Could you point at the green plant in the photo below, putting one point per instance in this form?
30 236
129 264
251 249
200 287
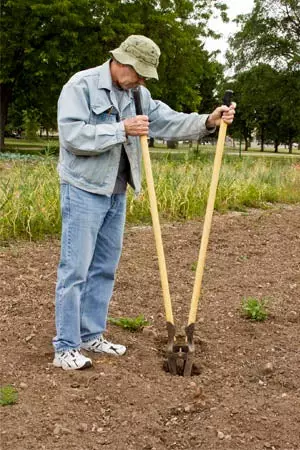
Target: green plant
8 395
130 323
194 266
254 309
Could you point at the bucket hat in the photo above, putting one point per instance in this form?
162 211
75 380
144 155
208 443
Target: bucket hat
141 53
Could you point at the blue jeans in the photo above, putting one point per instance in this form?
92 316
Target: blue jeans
91 243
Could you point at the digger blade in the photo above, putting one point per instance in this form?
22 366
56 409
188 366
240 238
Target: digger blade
180 353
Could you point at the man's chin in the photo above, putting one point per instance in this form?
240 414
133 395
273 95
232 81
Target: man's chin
128 86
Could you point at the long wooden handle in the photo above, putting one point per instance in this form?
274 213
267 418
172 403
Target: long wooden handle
207 222
157 230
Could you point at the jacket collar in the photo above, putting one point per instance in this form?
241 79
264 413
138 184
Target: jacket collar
104 80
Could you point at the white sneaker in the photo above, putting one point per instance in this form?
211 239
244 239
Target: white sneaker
100 345
71 360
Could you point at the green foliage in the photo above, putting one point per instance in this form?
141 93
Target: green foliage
270 33
268 104
129 323
194 266
44 42
8 395
29 191
29 199
31 123
254 309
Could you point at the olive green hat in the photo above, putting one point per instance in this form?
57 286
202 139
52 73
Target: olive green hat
141 53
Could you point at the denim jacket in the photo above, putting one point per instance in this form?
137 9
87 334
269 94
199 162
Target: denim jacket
92 133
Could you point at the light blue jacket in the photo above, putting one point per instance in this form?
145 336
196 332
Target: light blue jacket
91 137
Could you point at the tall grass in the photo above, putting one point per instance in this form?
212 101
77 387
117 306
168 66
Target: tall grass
29 191
29 199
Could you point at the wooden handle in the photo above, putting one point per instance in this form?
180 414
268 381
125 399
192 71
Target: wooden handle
207 222
157 230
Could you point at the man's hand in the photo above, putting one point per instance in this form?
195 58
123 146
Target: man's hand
136 126
224 112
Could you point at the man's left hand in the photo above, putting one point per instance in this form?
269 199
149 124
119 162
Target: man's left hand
224 112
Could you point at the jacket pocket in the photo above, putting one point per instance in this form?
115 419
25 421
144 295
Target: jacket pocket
103 114
94 170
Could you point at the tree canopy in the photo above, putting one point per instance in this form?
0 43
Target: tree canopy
43 42
269 34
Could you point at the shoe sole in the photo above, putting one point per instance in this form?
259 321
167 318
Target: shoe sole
86 365
100 352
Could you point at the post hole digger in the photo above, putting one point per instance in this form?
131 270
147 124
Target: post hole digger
180 351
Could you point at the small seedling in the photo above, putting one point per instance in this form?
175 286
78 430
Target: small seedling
130 323
243 257
254 309
8 395
194 266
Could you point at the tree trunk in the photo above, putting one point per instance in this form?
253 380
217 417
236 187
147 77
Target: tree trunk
262 138
151 142
5 95
290 145
172 144
276 145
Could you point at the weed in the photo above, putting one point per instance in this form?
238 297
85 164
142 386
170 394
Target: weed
8 395
194 266
254 309
130 323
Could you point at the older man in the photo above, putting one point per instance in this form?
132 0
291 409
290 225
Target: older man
99 157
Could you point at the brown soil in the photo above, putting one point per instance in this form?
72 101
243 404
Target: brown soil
247 395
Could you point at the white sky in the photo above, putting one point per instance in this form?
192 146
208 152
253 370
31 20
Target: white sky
235 7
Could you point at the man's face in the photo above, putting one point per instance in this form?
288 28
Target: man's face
128 78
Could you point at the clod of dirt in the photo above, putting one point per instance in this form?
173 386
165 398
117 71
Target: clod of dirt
149 331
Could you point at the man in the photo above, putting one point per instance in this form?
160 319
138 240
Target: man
99 155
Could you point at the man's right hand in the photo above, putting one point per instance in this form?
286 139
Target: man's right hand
136 126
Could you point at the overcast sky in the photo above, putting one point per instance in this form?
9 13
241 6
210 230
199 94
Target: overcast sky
235 7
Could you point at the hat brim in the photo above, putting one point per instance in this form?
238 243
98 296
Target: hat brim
142 69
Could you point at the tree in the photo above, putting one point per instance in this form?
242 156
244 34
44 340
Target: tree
269 34
43 42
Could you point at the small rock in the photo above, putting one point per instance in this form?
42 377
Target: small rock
292 316
28 338
75 385
65 430
23 385
284 395
82 427
268 368
57 429
220 435
189 408
261 383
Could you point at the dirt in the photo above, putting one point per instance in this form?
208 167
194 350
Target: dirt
247 395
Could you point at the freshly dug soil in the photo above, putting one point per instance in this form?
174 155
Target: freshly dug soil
247 394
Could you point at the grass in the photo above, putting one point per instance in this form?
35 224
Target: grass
8 395
29 191
254 309
128 323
